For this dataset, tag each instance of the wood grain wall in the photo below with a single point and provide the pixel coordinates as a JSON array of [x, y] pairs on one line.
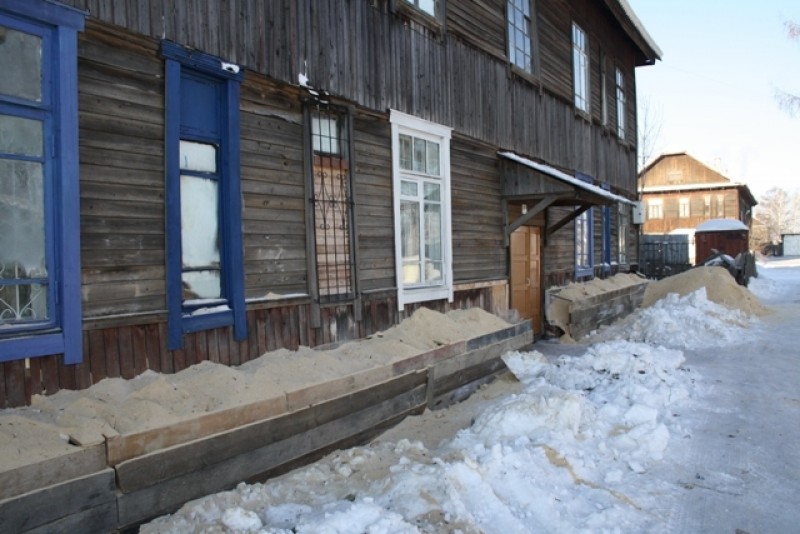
[[455, 75]]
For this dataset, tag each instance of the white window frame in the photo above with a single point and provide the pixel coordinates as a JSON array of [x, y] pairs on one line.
[[584, 244], [620, 84], [403, 123], [684, 208], [655, 208], [580, 67]]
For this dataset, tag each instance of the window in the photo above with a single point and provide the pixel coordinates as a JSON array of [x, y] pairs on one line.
[[40, 299], [520, 31], [683, 208], [426, 6], [421, 176], [620, 104], [205, 287], [623, 227], [580, 67], [584, 262], [721, 206], [603, 90], [655, 208], [707, 206], [332, 203]]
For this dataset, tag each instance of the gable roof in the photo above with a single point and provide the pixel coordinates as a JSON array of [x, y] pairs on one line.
[[723, 183]]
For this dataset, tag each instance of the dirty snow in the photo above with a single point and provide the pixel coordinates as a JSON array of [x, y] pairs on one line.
[[644, 432]]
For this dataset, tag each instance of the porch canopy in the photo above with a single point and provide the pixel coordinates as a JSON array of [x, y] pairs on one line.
[[544, 186]]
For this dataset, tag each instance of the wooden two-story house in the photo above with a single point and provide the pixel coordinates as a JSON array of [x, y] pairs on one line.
[[192, 180], [680, 192]]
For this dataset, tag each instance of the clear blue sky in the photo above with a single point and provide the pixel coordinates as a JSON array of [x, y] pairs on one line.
[[714, 90]]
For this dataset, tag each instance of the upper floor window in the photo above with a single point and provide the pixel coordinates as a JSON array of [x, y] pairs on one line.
[[421, 176], [520, 33], [721, 206], [603, 90], [426, 6], [40, 299], [620, 82], [655, 208], [580, 67], [204, 230], [683, 208], [706, 206]]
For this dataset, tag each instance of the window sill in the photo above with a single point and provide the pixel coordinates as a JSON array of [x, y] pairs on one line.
[[31, 346], [207, 321]]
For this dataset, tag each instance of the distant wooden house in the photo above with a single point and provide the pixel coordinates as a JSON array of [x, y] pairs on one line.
[[679, 192], [194, 180]]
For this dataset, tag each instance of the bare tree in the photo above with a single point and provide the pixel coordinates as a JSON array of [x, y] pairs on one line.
[[779, 212], [790, 102], [649, 129]]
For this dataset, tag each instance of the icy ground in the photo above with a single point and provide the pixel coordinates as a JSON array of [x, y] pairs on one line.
[[689, 421]]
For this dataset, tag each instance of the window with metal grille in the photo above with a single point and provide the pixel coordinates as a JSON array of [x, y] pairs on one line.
[[332, 202]]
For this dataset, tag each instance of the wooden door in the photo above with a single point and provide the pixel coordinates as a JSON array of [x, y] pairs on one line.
[[526, 284]]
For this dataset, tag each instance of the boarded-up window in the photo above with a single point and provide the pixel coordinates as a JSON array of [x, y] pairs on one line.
[[332, 202]]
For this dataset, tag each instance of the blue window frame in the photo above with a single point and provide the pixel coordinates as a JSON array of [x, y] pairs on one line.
[[205, 275], [40, 298]]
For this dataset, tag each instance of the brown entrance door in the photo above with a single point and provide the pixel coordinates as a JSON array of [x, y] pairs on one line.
[[526, 287]]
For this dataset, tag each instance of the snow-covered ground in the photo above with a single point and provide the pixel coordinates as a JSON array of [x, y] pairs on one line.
[[686, 419]]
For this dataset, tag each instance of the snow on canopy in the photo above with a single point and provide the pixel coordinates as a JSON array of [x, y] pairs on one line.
[[721, 225]]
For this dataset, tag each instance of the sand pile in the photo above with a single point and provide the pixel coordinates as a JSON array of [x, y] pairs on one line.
[[61, 423], [720, 288], [562, 298]]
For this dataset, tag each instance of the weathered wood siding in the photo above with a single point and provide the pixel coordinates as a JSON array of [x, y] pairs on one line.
[[672, 172], [367, 55], [479, 252], [273, 189], [703, 205], [121, 129], [679, 169]]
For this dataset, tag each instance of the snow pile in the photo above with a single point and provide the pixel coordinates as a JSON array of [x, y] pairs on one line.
[[556, 455], [567, 453], [691, 321]]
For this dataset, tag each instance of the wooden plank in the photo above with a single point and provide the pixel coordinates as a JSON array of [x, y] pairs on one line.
[[167, 362], [46, 472], [36, 383], [139, 344], [102, 518], [171, 493], [40, 507], [153, 347], [111, 344], [209, 448], [126, 363], [122, 448], [50, 365], [14, 374]]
